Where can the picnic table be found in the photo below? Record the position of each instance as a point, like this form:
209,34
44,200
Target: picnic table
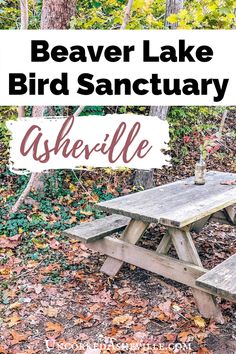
181,207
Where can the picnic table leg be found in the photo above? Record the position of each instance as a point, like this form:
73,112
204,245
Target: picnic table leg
164,245
131,234
187,251
231,211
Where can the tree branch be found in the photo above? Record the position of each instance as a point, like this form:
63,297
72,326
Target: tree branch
127,14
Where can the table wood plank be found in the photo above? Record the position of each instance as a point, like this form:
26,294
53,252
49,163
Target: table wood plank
221,280
176,204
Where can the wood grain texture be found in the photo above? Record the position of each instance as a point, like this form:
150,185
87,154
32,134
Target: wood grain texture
168,267
131,234
177,204
187,251
221,280
97,229
231,212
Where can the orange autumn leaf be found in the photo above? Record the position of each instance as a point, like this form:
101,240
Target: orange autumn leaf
72,220
50,311
121,319
87,213
3,350
13,320
18,337
139,328
183,336
204,350
56,327
49,268
15,305
171,337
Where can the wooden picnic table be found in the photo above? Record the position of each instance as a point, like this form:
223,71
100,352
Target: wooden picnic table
182,207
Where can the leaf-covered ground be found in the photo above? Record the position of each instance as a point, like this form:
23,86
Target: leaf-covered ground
53,295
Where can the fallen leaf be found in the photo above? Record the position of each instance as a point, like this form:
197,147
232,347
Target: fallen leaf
15,305
121,319
13,320
50,312
87,213
171,337
54,244
183,336
203,350
38,288
3,350
56,327
165,307
9,242
38,243
199,321
18,337
83,336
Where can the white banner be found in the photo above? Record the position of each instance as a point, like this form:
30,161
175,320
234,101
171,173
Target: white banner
102,67
134,141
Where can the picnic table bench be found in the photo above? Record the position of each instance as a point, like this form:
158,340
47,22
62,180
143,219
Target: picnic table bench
182,207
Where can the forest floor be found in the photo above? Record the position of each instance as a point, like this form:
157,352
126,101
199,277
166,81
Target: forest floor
54,298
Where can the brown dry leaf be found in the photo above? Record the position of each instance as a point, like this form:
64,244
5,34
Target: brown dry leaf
171,337
94,307
3,350
50,311
13,320
9,242
38,288
124,291
183,336
73,220
204,350
87,213
213,328
199,321
113,331
54,244
49,268
32,263
18,337
161,317
165,307
56,327
139,328
15,305
121,319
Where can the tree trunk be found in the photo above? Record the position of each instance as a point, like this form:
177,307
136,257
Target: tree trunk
144,177
173,7
56,14
159,111
23,26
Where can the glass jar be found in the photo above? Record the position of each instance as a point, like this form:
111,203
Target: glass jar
200,172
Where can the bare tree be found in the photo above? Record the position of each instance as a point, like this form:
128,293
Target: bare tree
56,14
144,178
23,26
126,18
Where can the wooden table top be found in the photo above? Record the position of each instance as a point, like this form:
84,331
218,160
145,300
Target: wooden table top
176,204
